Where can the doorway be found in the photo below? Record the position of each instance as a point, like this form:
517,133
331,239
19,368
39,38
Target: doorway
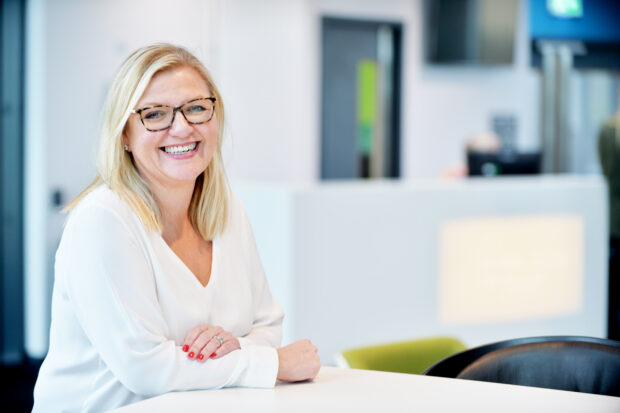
360,100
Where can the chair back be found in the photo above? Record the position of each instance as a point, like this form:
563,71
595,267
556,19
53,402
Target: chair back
582,364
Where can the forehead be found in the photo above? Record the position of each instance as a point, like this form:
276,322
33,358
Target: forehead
174,87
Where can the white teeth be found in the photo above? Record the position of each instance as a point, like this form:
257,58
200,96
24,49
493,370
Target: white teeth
177,150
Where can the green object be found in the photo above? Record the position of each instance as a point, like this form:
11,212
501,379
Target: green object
366,104
565,8
404,357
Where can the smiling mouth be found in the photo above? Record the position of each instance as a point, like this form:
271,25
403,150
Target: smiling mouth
180,149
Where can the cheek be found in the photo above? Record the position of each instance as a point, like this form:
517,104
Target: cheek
137,136
214,132
213,127
141,142
213,140
210,136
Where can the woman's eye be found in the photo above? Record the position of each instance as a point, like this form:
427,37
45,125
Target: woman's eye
196,109
154,114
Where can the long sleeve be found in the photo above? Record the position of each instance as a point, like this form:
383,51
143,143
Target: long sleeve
108,278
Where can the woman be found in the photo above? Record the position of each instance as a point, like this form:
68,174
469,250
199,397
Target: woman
158,284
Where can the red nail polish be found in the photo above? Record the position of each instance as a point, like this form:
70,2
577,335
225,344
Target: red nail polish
191,355
200,356
185,348
212,355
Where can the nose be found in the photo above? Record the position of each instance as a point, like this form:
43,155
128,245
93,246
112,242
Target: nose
180,127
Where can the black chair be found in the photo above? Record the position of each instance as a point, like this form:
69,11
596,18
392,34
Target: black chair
581,364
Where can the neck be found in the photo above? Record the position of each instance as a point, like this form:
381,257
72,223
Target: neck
174,207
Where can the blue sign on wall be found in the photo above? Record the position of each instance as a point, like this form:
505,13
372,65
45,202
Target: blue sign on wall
566,9
586,20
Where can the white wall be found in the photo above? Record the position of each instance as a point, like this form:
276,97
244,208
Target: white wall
266,66
271,48
449,103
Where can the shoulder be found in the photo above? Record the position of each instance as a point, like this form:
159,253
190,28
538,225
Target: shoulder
235,206
237,215
102,212
102,197
237,224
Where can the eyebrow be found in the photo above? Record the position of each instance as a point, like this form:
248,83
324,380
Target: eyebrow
155,104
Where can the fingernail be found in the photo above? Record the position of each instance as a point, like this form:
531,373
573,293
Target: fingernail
185,348
212,355
200,356
191,355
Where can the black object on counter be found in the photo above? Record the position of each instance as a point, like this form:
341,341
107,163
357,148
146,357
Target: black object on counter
503,163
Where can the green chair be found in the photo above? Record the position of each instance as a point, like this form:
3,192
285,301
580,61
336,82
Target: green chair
412,357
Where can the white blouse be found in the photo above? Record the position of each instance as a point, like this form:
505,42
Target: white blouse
123,303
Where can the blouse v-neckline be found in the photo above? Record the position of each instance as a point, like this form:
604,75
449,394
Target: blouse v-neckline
184,266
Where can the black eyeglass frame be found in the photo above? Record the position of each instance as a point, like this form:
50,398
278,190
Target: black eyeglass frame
174,113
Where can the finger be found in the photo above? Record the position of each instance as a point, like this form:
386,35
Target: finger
227,347
204,340
192,335
212,346
225,335
198,344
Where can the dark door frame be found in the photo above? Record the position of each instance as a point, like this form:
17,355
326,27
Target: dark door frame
12,17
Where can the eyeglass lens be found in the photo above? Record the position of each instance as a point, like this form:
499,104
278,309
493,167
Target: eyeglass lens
161,117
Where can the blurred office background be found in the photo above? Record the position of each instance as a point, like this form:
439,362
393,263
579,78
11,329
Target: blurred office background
351,127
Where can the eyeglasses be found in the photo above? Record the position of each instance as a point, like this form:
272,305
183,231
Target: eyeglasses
160,117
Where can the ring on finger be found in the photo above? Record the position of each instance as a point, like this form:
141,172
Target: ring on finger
220,339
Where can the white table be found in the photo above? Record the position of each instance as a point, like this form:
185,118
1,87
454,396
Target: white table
347,390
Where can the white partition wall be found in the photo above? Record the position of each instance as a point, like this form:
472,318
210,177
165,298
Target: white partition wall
482,260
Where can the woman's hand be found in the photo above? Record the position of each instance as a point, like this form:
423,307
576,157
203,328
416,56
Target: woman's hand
298,361
209,341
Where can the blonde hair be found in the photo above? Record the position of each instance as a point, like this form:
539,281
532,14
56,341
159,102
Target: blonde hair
208,209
